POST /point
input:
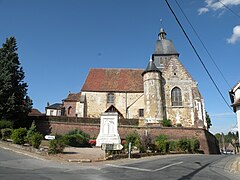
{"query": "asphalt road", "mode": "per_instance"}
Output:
(15, 166)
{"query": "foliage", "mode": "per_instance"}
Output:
(173, 145)
(32, 130)
(162, 145)
(36, 139)
(15, 104)
(19, 136)
(5, 124)
(56, 146)
(208, 119)
(166, 123)
(228, 138)
(145, 143)
(76, 140)
(194, 145)
(78, 131)
(134, 139)
(6, 133)
(184, 145)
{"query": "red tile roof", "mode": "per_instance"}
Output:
(114, 80)
(72, 97)
(34, 112)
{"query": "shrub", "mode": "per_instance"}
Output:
(32, 130)
(56, 146)
(184, 145)
(19, 136)
(36, 139)
(76, 140)
(166, 123)
(6, 133)
(162, 145)
(78, 131)
(134, 139)
(146, 143)
(173, 145)
(5, 124)
(194, 145)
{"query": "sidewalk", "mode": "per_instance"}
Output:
(73, 154)
(70, 154)
(235, 165)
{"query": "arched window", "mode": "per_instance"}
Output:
(176, 97)
(70, 110)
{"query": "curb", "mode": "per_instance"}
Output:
(80, 160)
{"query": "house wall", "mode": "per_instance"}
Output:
(97, 103)
(70, 105)
(237, 95)
(53, 112)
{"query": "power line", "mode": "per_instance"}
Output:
(194, 49)
(214, 62)
(224, 5)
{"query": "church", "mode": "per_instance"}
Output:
(164, 90)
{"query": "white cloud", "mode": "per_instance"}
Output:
(202, 10)
(217, 5)
(235, 36)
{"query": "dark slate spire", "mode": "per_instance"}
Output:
(151, 68)
(163, 45)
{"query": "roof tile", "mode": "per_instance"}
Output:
(114, 80)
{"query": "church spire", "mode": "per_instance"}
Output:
(151, 67)
(162, 34)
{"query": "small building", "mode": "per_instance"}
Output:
(35, 112)
(234, 94)
(54, 110)
(74, 105)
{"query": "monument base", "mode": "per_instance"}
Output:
(108, 140)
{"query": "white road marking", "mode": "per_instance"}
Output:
(128, 167)
(164, 167)
(141, 169)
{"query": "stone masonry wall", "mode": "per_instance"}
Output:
(97, 103)
(208, 142)
(175, 75)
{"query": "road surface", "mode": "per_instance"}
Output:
(15, 166)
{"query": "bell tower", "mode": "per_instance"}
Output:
(152, 94)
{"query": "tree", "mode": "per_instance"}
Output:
(14, 102)
(208, 119)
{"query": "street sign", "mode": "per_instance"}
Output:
(109, 147)
(49, 137)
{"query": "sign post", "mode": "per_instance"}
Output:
(49, 137)
(129, 150)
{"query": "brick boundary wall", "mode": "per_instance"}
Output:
(208, 142)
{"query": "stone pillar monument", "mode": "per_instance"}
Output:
(108, 129)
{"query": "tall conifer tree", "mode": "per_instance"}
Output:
(14, 102)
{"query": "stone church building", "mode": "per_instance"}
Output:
(164, 90)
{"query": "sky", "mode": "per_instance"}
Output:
(60, 40)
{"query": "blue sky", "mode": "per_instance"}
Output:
(60, 40)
